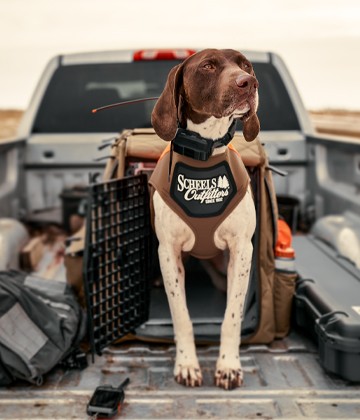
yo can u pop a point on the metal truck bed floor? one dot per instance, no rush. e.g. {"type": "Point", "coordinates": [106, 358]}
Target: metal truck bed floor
{"type": "Point", "coordinates": [282, 380]}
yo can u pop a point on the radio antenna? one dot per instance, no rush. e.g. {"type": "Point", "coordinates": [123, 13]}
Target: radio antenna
{"type": "Point", "coordinates": [134, 101]}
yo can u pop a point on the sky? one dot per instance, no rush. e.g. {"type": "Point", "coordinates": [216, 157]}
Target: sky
{"type": "Point", "coordinates": [319, 40]}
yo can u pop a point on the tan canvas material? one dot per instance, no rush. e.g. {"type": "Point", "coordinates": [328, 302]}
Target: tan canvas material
{"type": "Point", "coordinates": [284, 289]}
{"type": "Point", "coordinates": [267, 227]}
{"type": "Point", "coordinates": [145, 145]}
{"type": "Point", "coordinates": [74, 276]}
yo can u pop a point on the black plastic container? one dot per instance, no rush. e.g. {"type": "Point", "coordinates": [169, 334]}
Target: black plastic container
{"type": "Point", "coordinates": [73, 202]}
{"type": "Point", "coordinates": [289, 210]}
{"type": "Point", "coordinates": [327, 305]}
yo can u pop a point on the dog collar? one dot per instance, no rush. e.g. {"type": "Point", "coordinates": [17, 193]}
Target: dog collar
{"type": "Point", "coordinates": [191, 144]}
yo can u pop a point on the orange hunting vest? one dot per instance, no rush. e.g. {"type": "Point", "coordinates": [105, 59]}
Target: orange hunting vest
{"type": "Point", "coordinates": [203, 194]}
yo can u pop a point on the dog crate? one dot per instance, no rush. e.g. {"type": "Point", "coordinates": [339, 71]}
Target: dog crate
{"type": "Point", "coordinates": [205, 302]}
{"type": "Point", "coordinates": [123, 293]}
{"type": "Point", "coordinates": [120, 262]}
{"type": "Point", "coordinates": [117, 259]}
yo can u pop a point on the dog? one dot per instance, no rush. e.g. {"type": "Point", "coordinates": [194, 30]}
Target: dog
{"type": "Point", "coordinates": [202, 98]}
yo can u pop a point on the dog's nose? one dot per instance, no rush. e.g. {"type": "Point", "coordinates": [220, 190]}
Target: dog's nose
{"type": "Point", "coordinates": [247, 83]}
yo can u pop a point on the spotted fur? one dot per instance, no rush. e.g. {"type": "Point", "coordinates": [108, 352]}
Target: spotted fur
{"type": "Point", "coordinates": [234, 233]}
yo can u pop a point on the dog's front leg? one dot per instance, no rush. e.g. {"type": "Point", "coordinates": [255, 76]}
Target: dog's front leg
{"type": "Point", "coordinates": [228, 373]}
{"type": "Point", "coordinates": [187, 370]}
{"type": "Point", "coordinates": [237, 237]}
{"type": "Point", "coordinates": [174, 236]}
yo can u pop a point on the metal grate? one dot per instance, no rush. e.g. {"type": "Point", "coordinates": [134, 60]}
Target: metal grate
{"type": "Point", "coordinates": [117, 259]}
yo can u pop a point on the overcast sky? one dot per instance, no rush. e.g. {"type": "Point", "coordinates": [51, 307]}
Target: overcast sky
{"type": "Point", "coordinates": [318, 39]}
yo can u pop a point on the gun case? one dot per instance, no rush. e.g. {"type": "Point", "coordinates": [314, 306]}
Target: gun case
{"type": "Point", "coordinates": [327, 305]}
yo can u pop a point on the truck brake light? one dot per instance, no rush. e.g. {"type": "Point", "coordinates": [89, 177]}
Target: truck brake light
{"type": "Point", "coordinates": [144, 55]}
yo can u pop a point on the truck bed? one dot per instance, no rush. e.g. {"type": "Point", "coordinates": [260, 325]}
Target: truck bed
{"type": "Point", "coordinates": [282, 380]}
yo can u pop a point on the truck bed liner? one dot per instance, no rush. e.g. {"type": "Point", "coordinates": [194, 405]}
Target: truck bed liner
{"type": "Point", "coordinates": [282, 380]}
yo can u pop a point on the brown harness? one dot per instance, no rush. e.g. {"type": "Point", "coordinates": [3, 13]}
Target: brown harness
{"type": "Point", "coordinates": [202, 193]}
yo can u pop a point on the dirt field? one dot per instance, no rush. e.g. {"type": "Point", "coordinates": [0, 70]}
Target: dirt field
{"type": "Point", "coordinates": [9, 120]}
{"type": "Point", "coordinates": [338, 122]}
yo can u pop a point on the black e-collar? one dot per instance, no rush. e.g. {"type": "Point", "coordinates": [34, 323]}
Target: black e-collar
{"type": "Point", "coordinates": [191, 144]}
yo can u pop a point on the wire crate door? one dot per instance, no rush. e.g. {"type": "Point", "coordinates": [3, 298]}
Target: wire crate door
{"type": "Point", "coordinates": [117, 259]}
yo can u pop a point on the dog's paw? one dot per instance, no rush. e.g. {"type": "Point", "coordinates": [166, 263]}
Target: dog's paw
{"type": "Point", "coordinates": [229, 378]}
{"type": "Point", "coordinates": [188, 375]}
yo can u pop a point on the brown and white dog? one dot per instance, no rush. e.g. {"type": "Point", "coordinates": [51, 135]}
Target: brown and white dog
{"type": "Point", "coordinates": [205, 94]}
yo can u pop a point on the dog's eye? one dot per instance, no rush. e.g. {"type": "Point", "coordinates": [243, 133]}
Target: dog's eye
{"type": "Point", "coordinates": [208, 66]}
{"type": "Point", "coordinates": [246, 66]}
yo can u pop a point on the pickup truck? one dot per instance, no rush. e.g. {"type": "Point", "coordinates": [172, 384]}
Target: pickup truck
{"type": "Point", "coordinates": [57, 147]}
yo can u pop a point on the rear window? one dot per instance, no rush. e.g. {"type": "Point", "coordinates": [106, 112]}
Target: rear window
{"type": "Point", "coordinates": [75, 90]}
{"type": "Point", "coordinates": [276, 111]}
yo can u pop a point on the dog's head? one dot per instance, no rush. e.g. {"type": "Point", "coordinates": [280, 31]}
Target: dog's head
{"type": "Point", "coordinates": [218, 83]}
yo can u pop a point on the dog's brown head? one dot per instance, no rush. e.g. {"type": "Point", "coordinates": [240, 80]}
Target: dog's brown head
{"type": "Point", "coordinates": [218, 83]}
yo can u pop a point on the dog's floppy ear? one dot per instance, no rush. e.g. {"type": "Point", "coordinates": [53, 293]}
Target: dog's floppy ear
{"type": "Point", "coordinates": [251, 127]}
{"type": "Point", "coordinates": [164, 117]}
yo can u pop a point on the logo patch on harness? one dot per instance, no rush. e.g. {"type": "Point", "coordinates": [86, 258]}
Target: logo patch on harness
{"type": "Point", "coordinates": [202, 192]}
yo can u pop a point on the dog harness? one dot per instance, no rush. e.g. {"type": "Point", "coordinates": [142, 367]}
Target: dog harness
{"type": "Point", "coordinates": [202, 193]}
